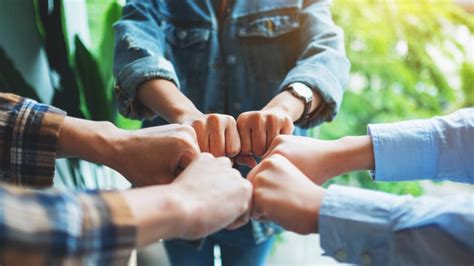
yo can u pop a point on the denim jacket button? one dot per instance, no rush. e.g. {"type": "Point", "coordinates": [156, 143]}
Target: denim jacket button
{"type": "Point", "coordinates": [181, 34]}
{"type": "Point", "coordinates": [231, 59]}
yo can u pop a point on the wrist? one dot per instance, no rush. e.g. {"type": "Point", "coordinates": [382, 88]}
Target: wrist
{"type": "Point", "coordinates": [157, 212]}
{"type": "Point", "coordinates": [287, 104]}
{"type": "Point", "coordinates": [88, 140]}
{"type": "Point", "coordinates": [185, 115]}
{"type": "Point", "coordinates": [310, 209]}
{"type": "Point", "coordinates": [356, 153]}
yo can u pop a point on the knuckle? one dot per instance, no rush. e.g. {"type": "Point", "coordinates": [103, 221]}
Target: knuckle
{"type": "Point", "coordinates": [213, 119]}
{"type": "Point", "coordinates": [188, 131]}
{"type": "Point", "coordinates": [247, 187]}
{"type": "Point", "coordinates": [224, 161]}
{"type": "Point", "coordinates": [207, 156]}
{"type": "Point", "coordinates": [279, 140]}
{"type": "Point", "coordinates": [198, 124]}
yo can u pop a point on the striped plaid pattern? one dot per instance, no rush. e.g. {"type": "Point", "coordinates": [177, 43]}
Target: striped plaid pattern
{"type": "Point", "coordinates": [52, 227]}
{"type": "Point", "coordinates": [29, 133]}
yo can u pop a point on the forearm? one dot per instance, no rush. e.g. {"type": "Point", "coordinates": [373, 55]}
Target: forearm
{"type": "Point", "coordinates": [165, 99]}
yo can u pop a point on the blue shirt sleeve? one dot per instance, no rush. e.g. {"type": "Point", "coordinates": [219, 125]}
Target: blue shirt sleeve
{"type": "Point", "coordinates": [441, 148]}
{"type": "Point", "coordinates": [374, 228]}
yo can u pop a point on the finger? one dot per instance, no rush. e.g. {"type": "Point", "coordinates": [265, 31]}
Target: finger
{"type": "Point", "coordinates": [226, 161]}
{"type": "Point", "coordinates": [241, 221]}
{"type": "Point", "coordinates": [246, 160]}
{"type": "Point", "coordinates": [186, 159]}
{"type": "Point", "coordinates": [217, 142]}
{"type": "Point", "coordinates": [202, 136]}
{"type": "Point", "coordinates": [245, 137]}
{"type": "Point", "coordinates": [287, 128]}
{"type": "Point", "coordinates": [259, 138]}
{"type": "Point", "coordinates": [232, 141]}
{"type": "Point", "coordinates": [273, 130]}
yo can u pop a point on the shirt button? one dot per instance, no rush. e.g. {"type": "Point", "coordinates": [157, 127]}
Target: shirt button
{"type": "Point", "coordinates": [182, 34]}
{"type": "Point", "coordinates": [341, 255]}
{"type": "Point", "coordinates": [366, 259]}
{"type": "Point", "coordinates": [231, 59]}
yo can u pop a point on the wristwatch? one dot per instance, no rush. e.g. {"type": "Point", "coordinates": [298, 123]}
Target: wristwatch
{"type": "Point", "coordinates": [304, 93]}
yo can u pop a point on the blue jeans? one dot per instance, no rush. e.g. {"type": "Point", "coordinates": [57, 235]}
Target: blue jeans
{"type": "Point", "coordinates": [237, 248]}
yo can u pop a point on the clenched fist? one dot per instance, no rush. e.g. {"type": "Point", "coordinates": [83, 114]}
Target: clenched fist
{"type": "Point", "coordinates": [285, 195]}
{"type": "Point", "coordinates": [216, 133]}
{"type": "Point", "coordinates": [213, 195]}
{"type": "Point", "coordinates": [257, 129]}
{"type": "Point", "coordinates": [154, 155]}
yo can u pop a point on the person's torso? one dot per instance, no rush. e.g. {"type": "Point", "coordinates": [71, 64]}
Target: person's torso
{"type": "Point", "coordinates": [233, 58]}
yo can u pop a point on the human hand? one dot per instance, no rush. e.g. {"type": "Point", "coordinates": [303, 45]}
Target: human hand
{"type": "Point", "coordinates": [257, 129]}
{"type": "Point", "coordinates": [321, 160]}
{"type": "Point", "coordinates": [283, 194]}
{"type": "Point", "coordinates": [145, 157]}
{"type": "Point", "coordinates": [213, 195]}
{"type": "Point", "coordinates": [216, 133]}
{"type": "Point", "coordinates": [154, 155]}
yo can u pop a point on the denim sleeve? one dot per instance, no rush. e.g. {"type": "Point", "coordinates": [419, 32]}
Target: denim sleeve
{"type": "Point", "coordinates": [323, 65]}
{"type": "Point", "coordinates": [139, 56]}
{"type": "Point", "coordinates": [374, 228]}
{"type": "Point", "coordinates": [441, 148]}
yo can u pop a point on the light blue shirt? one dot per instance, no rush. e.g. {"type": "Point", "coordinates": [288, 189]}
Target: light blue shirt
{"type": "Point", "coordinates": [375, 228]}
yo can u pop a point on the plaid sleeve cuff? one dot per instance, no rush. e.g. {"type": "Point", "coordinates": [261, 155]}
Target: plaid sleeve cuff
{"type": "Point", "coordinates": [90, 227]}
{"type": "Point", "coordinates": [29, 133]}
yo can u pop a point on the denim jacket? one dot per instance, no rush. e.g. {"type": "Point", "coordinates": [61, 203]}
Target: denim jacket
{"type": "Point", "coordinates": [230, 65]}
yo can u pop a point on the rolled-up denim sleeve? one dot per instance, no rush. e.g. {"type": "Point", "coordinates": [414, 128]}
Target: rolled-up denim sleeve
{"type": "Point", "coordinates": [438, 149]}
{"type": "Point", "coordinates": [139, 56]}
{"type": "Point", "coordinates": [322, 65]}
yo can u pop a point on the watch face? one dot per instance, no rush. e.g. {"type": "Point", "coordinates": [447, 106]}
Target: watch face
{"type": "Point", "coordinates": [303, 90]}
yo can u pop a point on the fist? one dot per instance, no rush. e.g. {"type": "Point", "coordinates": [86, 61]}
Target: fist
{"type": "Point", "coordinates": [257, 129]}
{"type": "Point", "coordinates": [216, 134]}
{"type": "Point", "coordinates": [155, 155]}
{"type": "Point", "coordinates": [214, 195]}
{"type": "Point", "coordinates": [317, 159]}
{"type": "Point", "coordinates": [285, 195]}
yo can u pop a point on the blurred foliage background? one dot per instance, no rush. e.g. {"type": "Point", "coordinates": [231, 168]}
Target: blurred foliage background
{"type": "Point", "coordinates": [410, 59]}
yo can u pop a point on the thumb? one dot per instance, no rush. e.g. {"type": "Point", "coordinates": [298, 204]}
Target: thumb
{"type": "Point", "coordinates": [247, 160]}
{"type": "Point", "coordinates": [184, 161]}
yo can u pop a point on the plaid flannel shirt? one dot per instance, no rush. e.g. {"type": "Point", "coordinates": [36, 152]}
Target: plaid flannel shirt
{"type": "Point", "coordinates": [51, 226]}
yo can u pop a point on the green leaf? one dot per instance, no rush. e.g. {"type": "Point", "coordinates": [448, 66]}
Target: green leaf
{"type": "Point", "coordinates": [114, 12]}
{"type": "Point", "coordinates": [11, 79]}
{"type": "Point", "coordinates": [92, 84]}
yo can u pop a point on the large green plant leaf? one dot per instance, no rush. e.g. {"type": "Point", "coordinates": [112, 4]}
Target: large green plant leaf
{"type": "Point", "coordinates": [11, 79]}
{"type": "Point", "coordinates": [91, 82]}
{"type": "Point", "coordinates": [113, 14]}
{"type": "Point", "coordinates": [50, 18]}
